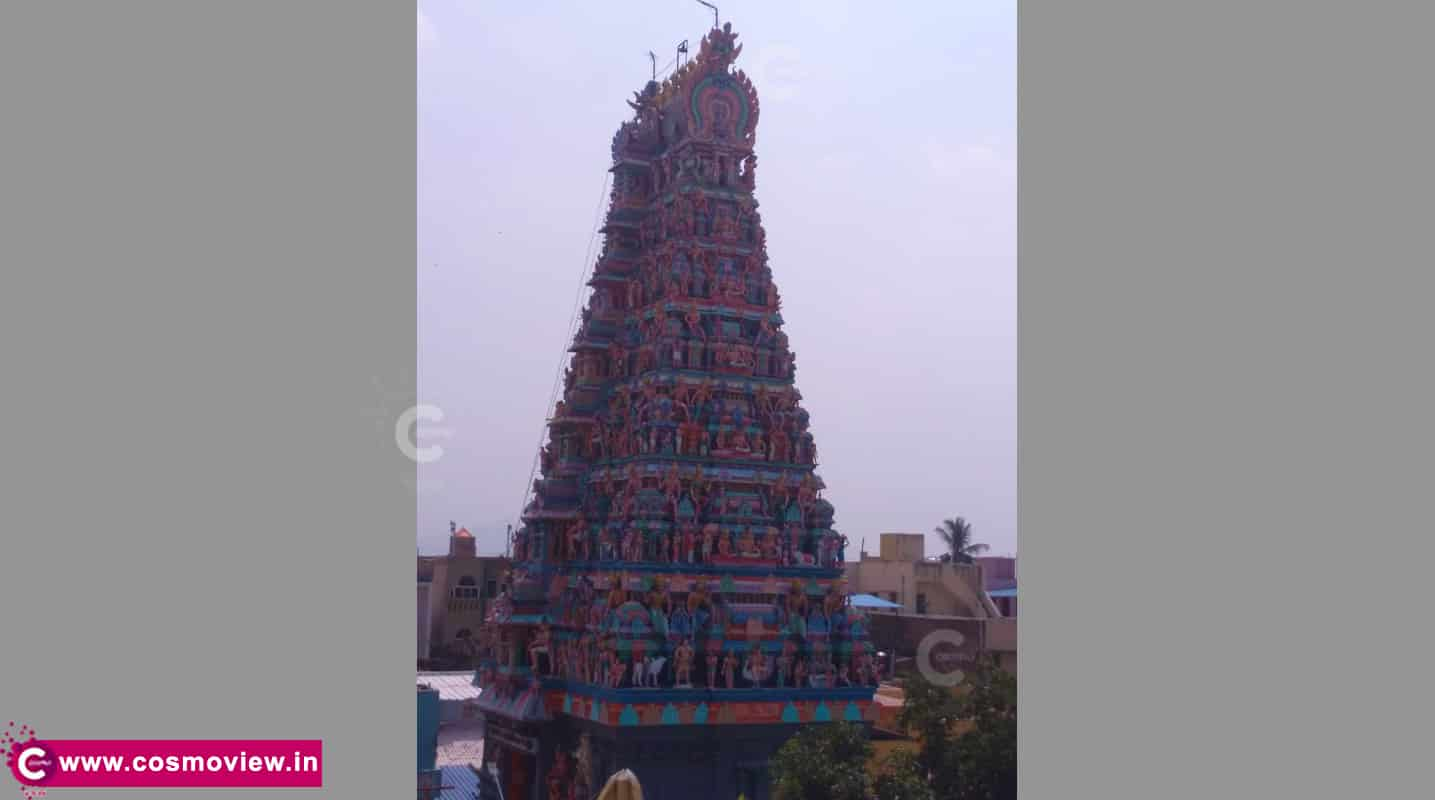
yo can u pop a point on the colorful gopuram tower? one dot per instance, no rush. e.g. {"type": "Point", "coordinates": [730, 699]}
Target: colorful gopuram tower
{"type": "Point", "coordinates": [676, 605]}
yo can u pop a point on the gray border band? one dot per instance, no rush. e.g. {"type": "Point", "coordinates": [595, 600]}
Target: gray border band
{"type": "Point", "coordinates": [208, 320]}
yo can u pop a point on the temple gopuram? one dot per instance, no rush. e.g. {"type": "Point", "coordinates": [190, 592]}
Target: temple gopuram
{"type": "Point", "coordinates": [675, 605]}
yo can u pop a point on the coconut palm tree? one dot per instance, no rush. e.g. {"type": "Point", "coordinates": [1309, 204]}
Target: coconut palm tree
{"type": "Point", "coordinates": [957, 533]}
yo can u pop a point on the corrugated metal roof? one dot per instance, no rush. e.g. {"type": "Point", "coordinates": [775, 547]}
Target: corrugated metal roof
{"type": "Point", "coordinates": [872, 601]}
{"type": "Point", "coordinates": [459, 783]}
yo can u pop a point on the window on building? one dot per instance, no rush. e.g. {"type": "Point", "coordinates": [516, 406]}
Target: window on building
{"type": "Point", "coordinates": [921, 604]}
{"type": "Point", "coordinates": [490, 589]}
{"type": "Point", "coordinates": [467, 589]}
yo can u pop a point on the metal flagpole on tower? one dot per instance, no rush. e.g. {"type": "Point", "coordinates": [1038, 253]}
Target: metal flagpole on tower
{"type": "Point", "coordinates": [715, 12]}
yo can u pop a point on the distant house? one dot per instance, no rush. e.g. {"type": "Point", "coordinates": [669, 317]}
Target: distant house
{"type": "Point", "coordinates": [1005, 600]}
{"type": "Point", "coordinates": [902, 574]}
{"type": "Point", "coordinates": [933, 595]}
{"type": "Point", "coordinates": [999, 578]}
{"type": "Point", "coordinates": [455, 593]}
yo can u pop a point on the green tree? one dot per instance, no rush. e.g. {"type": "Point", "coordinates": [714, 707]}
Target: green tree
{"type": "Point", "coordinates": [986, 755]}
{"type": "Point", "coordinates": [957, 533]}
{"type": "Point", "coordinates": [929, 711]}
{"type": "Point", "coordinates": [902, 778]}
{"type": "Point", "coordinates": [979, 763]}
{"type": "Point", "coordinates": [823, 762]}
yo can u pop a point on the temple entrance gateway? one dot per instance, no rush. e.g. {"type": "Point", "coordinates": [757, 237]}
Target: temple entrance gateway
{"type": "Point", "coordinates": [513, 752]}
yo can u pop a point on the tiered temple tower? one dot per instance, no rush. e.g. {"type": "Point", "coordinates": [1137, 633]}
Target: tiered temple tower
{"type": "Point", "coordinates": [676, 604]}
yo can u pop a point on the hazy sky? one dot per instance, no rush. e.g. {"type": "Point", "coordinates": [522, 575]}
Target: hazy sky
{"type": "Point", "coordinates": [887, 183]}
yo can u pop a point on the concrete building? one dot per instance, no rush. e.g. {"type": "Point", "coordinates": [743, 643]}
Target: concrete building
{"type": "Point", "coordinates": [1005, 600]}
{"type": "Point", "coordinates": [425, 616]}
{"type": "Point", "coordinates": [459, 588]}
{"type": "Point", "coordinates": [902, 574]}
{"type": "Point", "coordinates": [998, 572]}
{"type": "Point", "coordinates": [934, 596]}
{"type": "Point", "coordinates": [999, 578]}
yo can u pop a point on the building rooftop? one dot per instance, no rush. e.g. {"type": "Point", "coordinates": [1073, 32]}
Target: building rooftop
{"type": "Point", "coordinates": [451, 685]}
{"type": "Point", "coordinates": [460, 744]}
{"type": "Point", "coordinates": [459, 783]}
{"type": "Point", "coordinates": [872, 601]}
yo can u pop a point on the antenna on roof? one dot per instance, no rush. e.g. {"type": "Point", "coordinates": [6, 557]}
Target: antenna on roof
{"type": "Point", "coordinates": [715, 12]}
{"type": "Point", "coordinates": [682, 51]}
{"type": "Point", "coordinates": [653, 58]}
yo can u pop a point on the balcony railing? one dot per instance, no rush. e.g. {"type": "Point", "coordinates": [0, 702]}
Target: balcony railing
{"type": "Point", "coordinates": [464, 604]}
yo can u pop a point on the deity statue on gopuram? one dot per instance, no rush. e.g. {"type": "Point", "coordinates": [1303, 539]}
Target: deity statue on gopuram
{"type": "Point", "coordinates": [676, 603]}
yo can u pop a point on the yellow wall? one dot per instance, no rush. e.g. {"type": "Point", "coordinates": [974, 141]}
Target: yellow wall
{"type": "Point", "coordinates": [451, 615]}
{"type": "Point", "coordinates": [951, 589]}
{"type": "Point", "coordinates": [903, 547]}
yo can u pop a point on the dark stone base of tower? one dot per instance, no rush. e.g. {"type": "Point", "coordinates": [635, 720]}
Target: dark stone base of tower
{"type": "Point", "coordinates": [707, 762]}
{"type": "Point", "coordinates": [676, 604]}
{"type": "Point", "coordinates": [692, 762]}
{"type": "Point", "coordinates": [688, 743]}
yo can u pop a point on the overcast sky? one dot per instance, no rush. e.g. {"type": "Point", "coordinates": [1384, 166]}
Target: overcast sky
{"type": "Point", "coordinates": [887, 183]}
